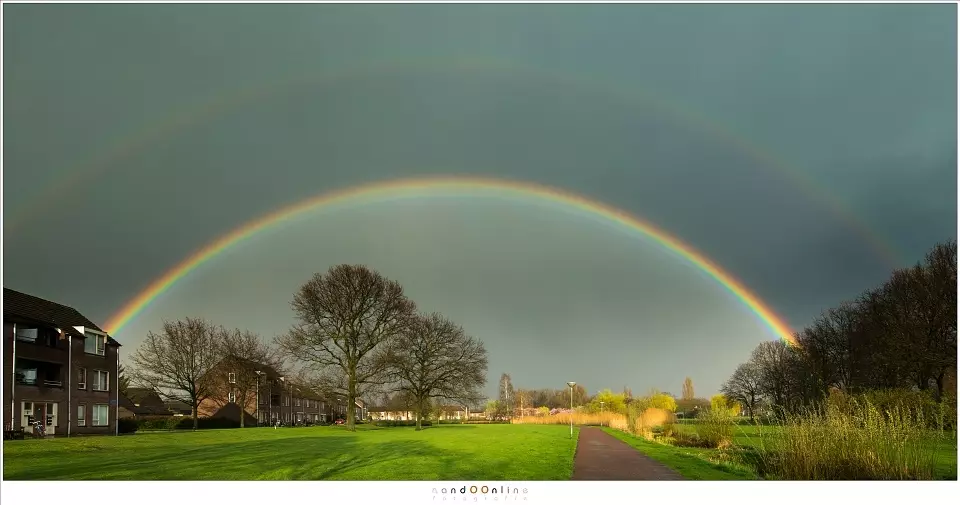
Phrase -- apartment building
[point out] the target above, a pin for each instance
(266, 395)
(59, 368)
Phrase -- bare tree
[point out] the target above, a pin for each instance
(687, 392)
(347, 320)
(435, 359)
(506, 397)
(177, 361)
(123, 380)
(235, 379)
(745, 386)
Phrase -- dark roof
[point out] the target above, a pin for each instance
(35, 309)
(138, 395)
(143, 410)
(178, 406)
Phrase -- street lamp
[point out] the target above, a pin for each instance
(258, 372)
(283, 383)
(571, 384)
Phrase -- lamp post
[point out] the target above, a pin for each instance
(258, 372)
(601, 412)
(283, 382)
(571, 384)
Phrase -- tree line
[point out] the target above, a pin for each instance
(901, 335)
(355, 334)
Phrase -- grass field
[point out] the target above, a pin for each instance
(449, 452)
(714, 464)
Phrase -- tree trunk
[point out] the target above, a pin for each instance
(196, 420)
(243, 411)
(419, 414)
(351, 399)
(939, 391)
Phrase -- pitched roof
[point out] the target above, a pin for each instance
(138, 395)
(142, 410)
(38, 310)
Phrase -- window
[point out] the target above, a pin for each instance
(101, 415)
(95, 344)
(232, 378)
(27, 334)
(263, 399)
(297, 402)
(26, 375)
(82, 378)
(232, 396)
(286, 401)
(101, 380)
(81, 415)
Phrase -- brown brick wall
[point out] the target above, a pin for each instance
(68, 396)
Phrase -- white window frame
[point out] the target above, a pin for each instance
(96, 421)
(100, 343)
(297, 402)
(232, 377)
(105, 387)
(82, 378)
(231, 396)
(82, 414)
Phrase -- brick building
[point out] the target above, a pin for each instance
(59, 368)
(266, 396)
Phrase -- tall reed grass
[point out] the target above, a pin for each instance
(579, 418)
(856, 441)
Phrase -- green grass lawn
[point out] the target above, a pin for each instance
(452, 452)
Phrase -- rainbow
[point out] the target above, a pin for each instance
(209, 109)
(416, 187)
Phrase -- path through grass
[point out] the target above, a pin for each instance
(450, 452)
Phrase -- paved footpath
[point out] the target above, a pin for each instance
(601, 456)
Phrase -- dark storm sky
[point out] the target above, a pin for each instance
(136, 113)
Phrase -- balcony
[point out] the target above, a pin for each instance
(38, 350)
(30, 372)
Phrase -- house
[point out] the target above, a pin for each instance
(386, 414)
(263, 392)
(64, 368)
(138, 402)
(177, 408)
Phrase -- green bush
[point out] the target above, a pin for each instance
(155, 423)
(127, 425)
(715, 427)
(394, 424)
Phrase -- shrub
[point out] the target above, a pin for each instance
(395, 423)
(127, 425)
(715, 427)
(153, 423)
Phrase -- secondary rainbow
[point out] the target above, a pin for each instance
(632, 97)
(445, 186)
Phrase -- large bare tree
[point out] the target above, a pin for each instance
(235, 379)
(436, 359)
(177, 361)
(347, 320)
(745, 386)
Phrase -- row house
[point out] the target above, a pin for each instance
(445, 413)
(59, 369)
(264, 396)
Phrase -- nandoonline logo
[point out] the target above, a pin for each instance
(480, 494)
